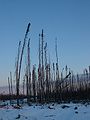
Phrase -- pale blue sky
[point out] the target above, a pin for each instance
(68, 20)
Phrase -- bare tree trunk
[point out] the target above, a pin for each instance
(34, 82)
(20, 64)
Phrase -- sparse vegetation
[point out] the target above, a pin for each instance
(46, 83)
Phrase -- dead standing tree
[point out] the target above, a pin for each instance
(39, 73)
(29, 72)
(46, 74)
(17, 65)
(58, 86)
(42, 68)
(34, 82)
(20, 64)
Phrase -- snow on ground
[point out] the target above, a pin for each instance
(46, 112)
